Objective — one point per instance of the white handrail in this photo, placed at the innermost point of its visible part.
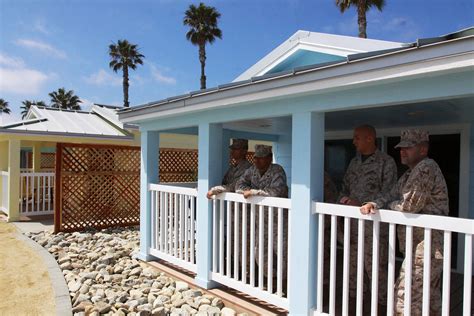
(458, 225)
(446, 224)
(257, 200)
(36, 193)
(172, 189)
(256, 239)
(173, 216)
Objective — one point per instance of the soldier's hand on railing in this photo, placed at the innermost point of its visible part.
(247, 194)
(209, 194)
(368, 208)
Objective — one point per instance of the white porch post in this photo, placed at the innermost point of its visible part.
(14, 148)
(307, 184)
(209, 174)
(150, 143)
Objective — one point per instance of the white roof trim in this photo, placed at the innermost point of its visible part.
(447, 57)
(66, 122)
(318, 42)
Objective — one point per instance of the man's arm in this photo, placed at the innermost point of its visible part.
(416, 191)
(344, 193)
(244, 183)
(277, 186)
(388, 190)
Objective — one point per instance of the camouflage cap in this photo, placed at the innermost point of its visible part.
(262, 150)
(239, 143)
(412, 137)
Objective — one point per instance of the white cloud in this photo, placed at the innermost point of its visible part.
(41, 46)
(21, 80)
(15, 77)
(102, 78)
(158, 75)
(13, 62)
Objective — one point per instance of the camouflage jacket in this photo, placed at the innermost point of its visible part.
(421, 190)
(231, 176)
(330, 190)
(370, 180)
(271, 183)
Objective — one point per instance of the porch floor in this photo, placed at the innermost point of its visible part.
(240, 302)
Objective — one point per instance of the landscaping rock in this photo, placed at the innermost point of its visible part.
(104, 279)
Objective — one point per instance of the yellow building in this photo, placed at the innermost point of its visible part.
(27, 188)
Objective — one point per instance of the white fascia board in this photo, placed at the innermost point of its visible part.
(355, 80)
(311, 47)
(319, 42)
(395, 66)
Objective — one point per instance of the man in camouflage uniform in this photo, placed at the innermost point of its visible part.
(238, 154)
(370, 177)
(239, 164)
(421, 189)
(266, 179)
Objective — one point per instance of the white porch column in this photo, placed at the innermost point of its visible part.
(13, 180)
(209, 174)
(150, 143)
(307, 184)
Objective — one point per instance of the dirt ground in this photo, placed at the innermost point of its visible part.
(24, 281)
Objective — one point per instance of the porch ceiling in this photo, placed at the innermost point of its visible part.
(427, 113)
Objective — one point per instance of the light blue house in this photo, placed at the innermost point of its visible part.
(306, 96)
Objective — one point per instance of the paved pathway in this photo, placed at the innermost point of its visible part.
(30, 279)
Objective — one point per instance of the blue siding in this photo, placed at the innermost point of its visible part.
(282, 153)
(303, 57)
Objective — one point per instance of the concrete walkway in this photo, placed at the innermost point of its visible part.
(30, 279)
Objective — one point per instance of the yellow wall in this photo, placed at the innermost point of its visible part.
(178, 141)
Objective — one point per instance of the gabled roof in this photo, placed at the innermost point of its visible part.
(331, 45)
(453, 44)
(100, 122)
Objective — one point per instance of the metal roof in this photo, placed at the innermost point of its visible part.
(68, 122)
(301, 70)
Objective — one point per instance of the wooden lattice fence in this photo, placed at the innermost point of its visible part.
(178, 165)
(97, 186)
(47, 160)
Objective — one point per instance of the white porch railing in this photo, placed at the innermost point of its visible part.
(36, 193)
(173, 217)
(447, 225)
(239, 228)
(4, 181)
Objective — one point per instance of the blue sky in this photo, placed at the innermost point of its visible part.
(45, 45)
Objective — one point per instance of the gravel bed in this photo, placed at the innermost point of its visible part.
(104, 279)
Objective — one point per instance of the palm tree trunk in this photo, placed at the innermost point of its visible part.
(202, 59)
(361, 18)
(125, 87)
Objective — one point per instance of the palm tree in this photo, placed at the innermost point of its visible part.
(202, 22)
(362, 7)
(27, 104)
(63, 99)
(4, 107)
(124, 55)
